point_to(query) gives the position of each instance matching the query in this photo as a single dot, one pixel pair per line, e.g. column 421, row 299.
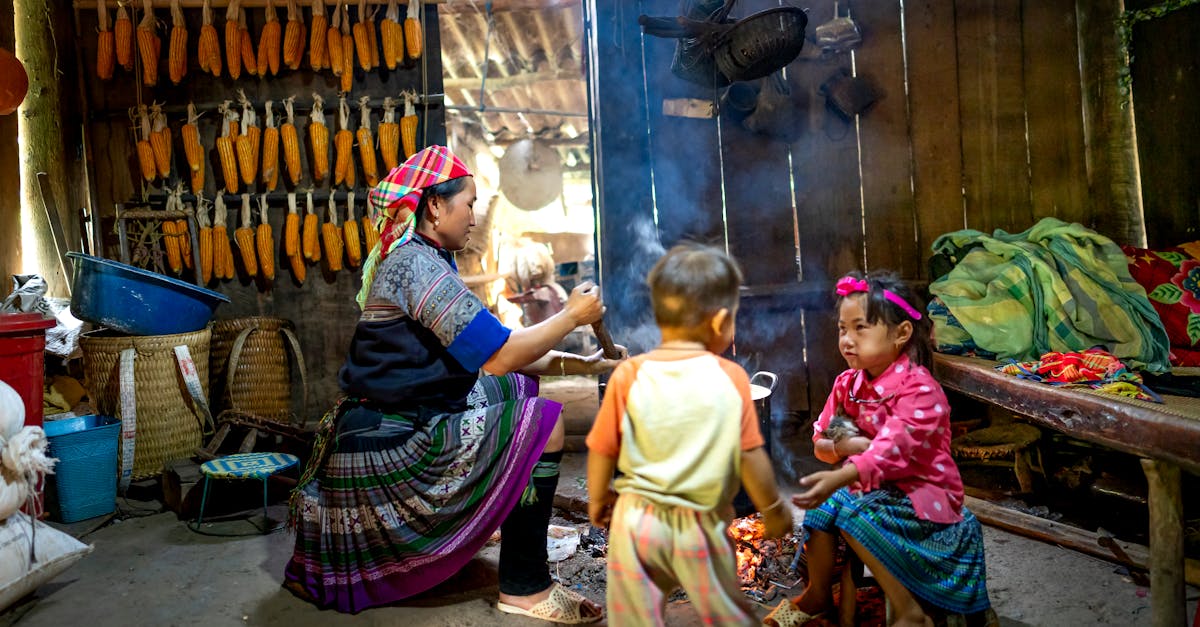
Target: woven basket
column 169, row 423
column 762, row 43
column 250, row 369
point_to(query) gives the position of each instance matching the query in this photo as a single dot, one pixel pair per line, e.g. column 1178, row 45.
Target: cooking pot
column 762, row 384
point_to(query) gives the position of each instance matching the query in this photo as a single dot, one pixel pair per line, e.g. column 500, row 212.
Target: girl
column 898, row 498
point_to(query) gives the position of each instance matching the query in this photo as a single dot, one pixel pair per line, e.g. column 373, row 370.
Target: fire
column 747, row 534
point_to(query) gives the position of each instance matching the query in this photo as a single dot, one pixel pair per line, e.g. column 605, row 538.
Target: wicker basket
column 250, row 369
column 761, row 44
column 169, row 422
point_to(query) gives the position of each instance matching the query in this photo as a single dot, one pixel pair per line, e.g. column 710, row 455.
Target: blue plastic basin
column 137, row 301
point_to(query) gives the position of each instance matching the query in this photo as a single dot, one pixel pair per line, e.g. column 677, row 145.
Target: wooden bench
column 1166, row 437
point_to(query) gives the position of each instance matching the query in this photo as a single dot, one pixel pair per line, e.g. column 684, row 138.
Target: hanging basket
column 762, row 43
column 250, row 370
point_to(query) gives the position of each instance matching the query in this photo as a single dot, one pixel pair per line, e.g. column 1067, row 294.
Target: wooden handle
column 606, row 341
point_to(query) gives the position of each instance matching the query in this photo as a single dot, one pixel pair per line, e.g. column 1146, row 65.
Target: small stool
column 244, row 466
column 987, row 447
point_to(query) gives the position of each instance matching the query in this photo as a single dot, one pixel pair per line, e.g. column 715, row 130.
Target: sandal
column 562, row 606
column 788, row 615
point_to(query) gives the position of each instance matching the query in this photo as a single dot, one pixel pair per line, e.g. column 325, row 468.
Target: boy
column 679, row 424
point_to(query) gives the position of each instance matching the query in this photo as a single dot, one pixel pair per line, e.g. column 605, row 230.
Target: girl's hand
column 822, row 485
column 597, row 364
column 852, row 446
column 600, row 510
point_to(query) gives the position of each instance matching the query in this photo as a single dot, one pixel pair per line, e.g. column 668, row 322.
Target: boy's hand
column 600, row 510
column 851, row 446
column 777, row 521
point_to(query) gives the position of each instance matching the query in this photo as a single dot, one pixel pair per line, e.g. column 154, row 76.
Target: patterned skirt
column 398, row 504
column 939, row 563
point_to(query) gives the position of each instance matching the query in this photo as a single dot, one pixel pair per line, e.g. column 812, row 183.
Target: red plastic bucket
column 22, row 342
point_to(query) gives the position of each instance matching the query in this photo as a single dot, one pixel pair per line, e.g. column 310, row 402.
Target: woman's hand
column 584, row 305
column 597, row 364
column 822, row 485
column 852, row 446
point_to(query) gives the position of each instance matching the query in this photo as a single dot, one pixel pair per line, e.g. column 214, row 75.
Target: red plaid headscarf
column 393, row 203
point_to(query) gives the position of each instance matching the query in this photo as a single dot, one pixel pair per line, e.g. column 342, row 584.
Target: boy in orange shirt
column 679, row 424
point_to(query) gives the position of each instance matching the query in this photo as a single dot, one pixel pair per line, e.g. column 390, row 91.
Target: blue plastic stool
column 243, row 466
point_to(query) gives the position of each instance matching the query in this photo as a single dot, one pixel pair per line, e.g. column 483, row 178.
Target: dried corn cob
column 266, row 242
column 343, row 144
column 291, row 142
column 310, row 240
column 123, row 38
column 160, row 140
column 333, row 42
column 350, row 234
column 408, row 126
column 389, row 136
column 225, row 148
column 370, row 235
column 291, row 228
column 373, row 38
column 145, row 152
column 393, row 36
column 293, row 39
column 209, row 49
column 366, row 143
column 270, row 151
column 269, row 42
column 222, row 256
column 170, row 241
column 245, row 239
column 247, row 142
column 246, row 44
column 233, row 40
column 347, row 52
column 205, row 237
column 318, row 51
column 362, row 44
column 332, row 238
column 185, row 242
column 177, row 57
column 412, row 30
column 318, row 139
column 106, row 44
column 192, row 148
column 148, row 45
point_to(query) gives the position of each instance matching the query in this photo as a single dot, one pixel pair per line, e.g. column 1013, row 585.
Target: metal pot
column 760, row 393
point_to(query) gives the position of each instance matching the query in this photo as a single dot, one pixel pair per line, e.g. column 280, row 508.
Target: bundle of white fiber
column 23, row 459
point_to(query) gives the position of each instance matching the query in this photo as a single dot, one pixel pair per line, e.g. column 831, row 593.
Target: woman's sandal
column 562, row 606
column 788, row 615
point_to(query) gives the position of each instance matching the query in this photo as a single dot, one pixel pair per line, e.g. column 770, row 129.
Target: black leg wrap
column 523, row 569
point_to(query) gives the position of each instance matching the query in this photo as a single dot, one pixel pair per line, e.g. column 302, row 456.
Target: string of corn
column 318, row 51
column 269, row 42
column 148, row 45
column 366, row 143
column 290, row 140
column 350, row 234
column 332, row 238
column 106, row 44
column 225, row 147
column 177, row 56
column 246, row 45
column 266, row 242
column 270, row 150
column 318, row 139
column 208, row 52
column 244, row 235
column 311, row 234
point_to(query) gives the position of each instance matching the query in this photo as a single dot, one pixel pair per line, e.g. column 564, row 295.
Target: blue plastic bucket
column 137, row 301
column 84, row 483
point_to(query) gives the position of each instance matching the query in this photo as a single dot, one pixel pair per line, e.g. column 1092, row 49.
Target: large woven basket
column 169, row 423
column 250, row 371
column 762, row 43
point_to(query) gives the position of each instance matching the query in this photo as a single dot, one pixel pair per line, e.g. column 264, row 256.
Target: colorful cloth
column 652, row 549
column 400, row 502
column 1171, row 278
column 1054, row 287
column 394, row 200
column 940, row 563
column 1094, row 368
column 905, row 413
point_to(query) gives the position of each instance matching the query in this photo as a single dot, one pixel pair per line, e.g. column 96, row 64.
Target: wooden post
column 40, row 129
column 10, row 178
column 1168, row 605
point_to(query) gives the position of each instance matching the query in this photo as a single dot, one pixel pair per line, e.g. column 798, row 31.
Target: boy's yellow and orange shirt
column 677, row 424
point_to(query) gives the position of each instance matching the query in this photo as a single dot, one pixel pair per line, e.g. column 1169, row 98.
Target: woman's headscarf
column 393, row 203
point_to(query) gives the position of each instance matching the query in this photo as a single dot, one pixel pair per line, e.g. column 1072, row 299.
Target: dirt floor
column 148, row 568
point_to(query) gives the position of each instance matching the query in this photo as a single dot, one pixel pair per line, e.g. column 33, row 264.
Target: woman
column 424, row 459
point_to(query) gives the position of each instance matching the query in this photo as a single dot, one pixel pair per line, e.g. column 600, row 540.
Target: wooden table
column 1166, row 437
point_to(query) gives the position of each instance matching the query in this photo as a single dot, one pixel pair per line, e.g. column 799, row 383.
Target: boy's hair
column 879, row 308
column 691, row 283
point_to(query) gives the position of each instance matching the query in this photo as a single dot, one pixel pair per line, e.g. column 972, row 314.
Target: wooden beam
column 1168, row 598
column 516, row 80
column 215, row 4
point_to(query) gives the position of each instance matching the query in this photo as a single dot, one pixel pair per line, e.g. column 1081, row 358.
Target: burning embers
column 765, row 566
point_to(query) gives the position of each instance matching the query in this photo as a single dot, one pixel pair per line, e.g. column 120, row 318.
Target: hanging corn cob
column 293, row 39
column 145, row 152
column 366, row 143
column 177, row 56
column 266, row 242
column 291, row 142
column 318, row 50
column 393, row 36
column 244, row 235
column 269, row 41
column 408, row 126
column 225, row 147
column 148, row 45
column 123, row 38
column 291, row 227
column 170, row 238
column 192, row 148
column 270, row 151
column 347, row 52
column 331, row 236
column 318, row 139
column 350, row 233
column 412, row 30
column 233, row 40
column 160, row 140
column 343, row 144
column 389, row 136
column 205, row 237
column 247, row 142
column 373, row 38
column 222, row 257
column 208, row 50
column 362, row 45
column 370, row 235
column 181, row 230
column 333, row 42
column 246, row 45
column 310, row 240
column 105, row 44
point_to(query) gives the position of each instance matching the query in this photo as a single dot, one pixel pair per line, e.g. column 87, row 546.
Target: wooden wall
column 323, row 307
column 10, row 175
column 983, row 122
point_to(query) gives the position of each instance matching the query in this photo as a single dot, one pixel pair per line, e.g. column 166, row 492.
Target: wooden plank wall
column 980, row 123
column 323, row 307
column 10, row 175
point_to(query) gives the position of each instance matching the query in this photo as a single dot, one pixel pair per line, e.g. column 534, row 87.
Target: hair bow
column 849, row 285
